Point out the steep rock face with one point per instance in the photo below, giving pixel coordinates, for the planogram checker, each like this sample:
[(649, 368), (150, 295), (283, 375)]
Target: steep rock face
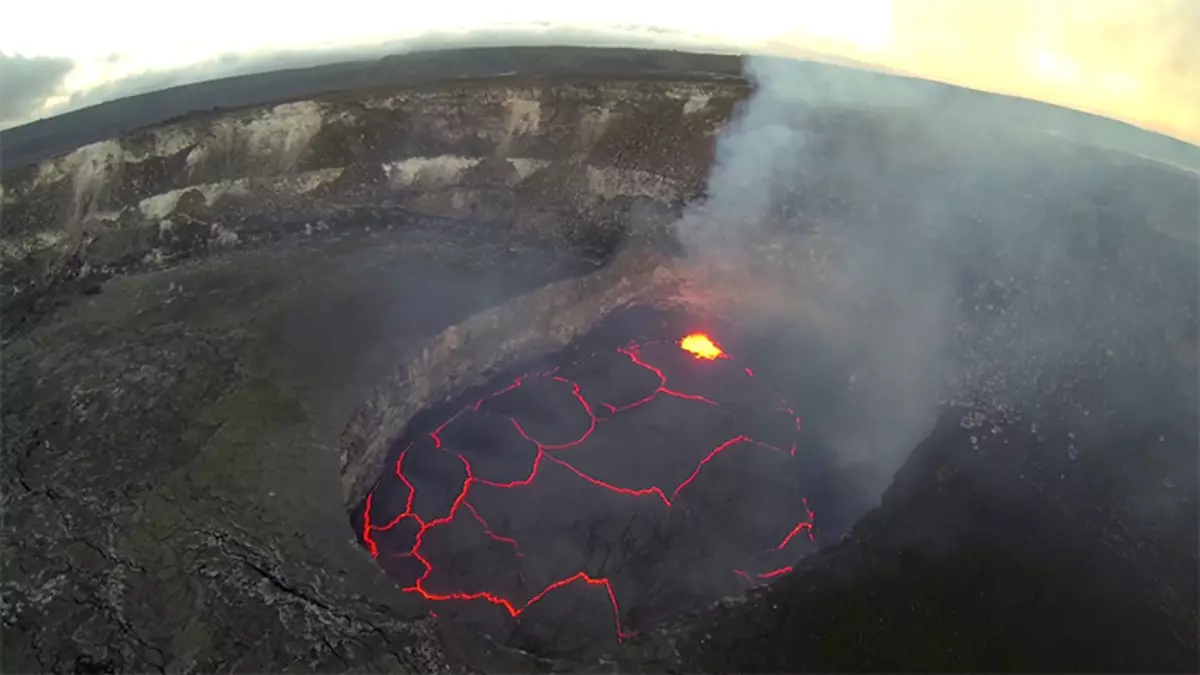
[(528, 326), (581, 164), (535, 157)]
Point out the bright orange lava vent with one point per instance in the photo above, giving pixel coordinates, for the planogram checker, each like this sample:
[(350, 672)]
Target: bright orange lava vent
[(701, 346)]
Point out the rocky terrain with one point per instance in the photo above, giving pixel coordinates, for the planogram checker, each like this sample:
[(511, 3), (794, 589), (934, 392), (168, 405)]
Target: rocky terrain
[(214, 328)]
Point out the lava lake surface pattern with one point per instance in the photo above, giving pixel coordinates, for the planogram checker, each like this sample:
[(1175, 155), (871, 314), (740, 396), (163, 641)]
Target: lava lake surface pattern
[(576, 504)]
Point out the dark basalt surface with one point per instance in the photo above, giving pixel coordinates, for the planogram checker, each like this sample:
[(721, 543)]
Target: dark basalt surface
[(1057, 532), (179, 510), (623, 464), (1001, 549), (972, 565), (191, 395)]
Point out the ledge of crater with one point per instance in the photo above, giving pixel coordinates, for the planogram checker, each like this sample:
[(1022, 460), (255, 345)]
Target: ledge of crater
[(171, 457), (556, 159), (580, 163)]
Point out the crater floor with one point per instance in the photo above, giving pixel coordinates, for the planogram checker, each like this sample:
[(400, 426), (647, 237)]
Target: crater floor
[(609, 489), (180, 510)]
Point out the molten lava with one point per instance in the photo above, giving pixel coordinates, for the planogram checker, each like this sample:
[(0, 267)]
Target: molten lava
[(388, 511), (701, 346)]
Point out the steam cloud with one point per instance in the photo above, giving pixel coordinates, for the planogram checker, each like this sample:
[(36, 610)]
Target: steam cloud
[(969, 267), (888, 315)]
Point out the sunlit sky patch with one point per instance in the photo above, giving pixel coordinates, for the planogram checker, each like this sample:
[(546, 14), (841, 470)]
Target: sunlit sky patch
[(1134, 60)]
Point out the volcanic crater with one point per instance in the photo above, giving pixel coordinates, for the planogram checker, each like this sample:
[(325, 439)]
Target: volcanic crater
[(642, 472), (313, 381)]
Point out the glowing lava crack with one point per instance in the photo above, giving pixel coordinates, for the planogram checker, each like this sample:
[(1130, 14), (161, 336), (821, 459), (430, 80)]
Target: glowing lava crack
[(395, 512)]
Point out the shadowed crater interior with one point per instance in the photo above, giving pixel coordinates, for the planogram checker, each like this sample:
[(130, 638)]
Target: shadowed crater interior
[(643, 472)]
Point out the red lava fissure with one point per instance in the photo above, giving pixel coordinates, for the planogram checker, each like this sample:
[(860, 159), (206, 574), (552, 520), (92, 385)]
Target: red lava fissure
[(701, 347)]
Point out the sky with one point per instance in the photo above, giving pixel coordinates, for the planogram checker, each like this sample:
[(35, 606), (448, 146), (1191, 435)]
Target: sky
[(1134, 60)]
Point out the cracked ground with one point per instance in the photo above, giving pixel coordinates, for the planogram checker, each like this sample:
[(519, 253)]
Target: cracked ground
[(154, 437)]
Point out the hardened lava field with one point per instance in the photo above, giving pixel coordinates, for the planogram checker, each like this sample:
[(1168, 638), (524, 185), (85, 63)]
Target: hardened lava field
[(593, 498)]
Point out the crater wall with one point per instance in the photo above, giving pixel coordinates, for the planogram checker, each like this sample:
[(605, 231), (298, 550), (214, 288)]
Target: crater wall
[(581, 163), (539, 157)]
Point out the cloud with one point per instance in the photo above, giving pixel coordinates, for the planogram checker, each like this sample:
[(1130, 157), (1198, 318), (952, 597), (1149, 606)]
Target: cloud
[(233, 64), (1132, 59), (26, 83)]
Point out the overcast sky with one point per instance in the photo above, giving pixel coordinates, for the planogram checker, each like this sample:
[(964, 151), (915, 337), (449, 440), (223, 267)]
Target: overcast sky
[(1136, 60)]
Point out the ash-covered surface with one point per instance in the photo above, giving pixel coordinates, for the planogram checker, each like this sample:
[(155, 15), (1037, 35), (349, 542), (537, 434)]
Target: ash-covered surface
[(1023, 329), (976, 561), (1048, 521), (568, 505), (170, 455), (191, 317)]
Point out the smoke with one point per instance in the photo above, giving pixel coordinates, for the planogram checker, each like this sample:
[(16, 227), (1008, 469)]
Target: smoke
[(882, 313), (964, 262), (766, 151)]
